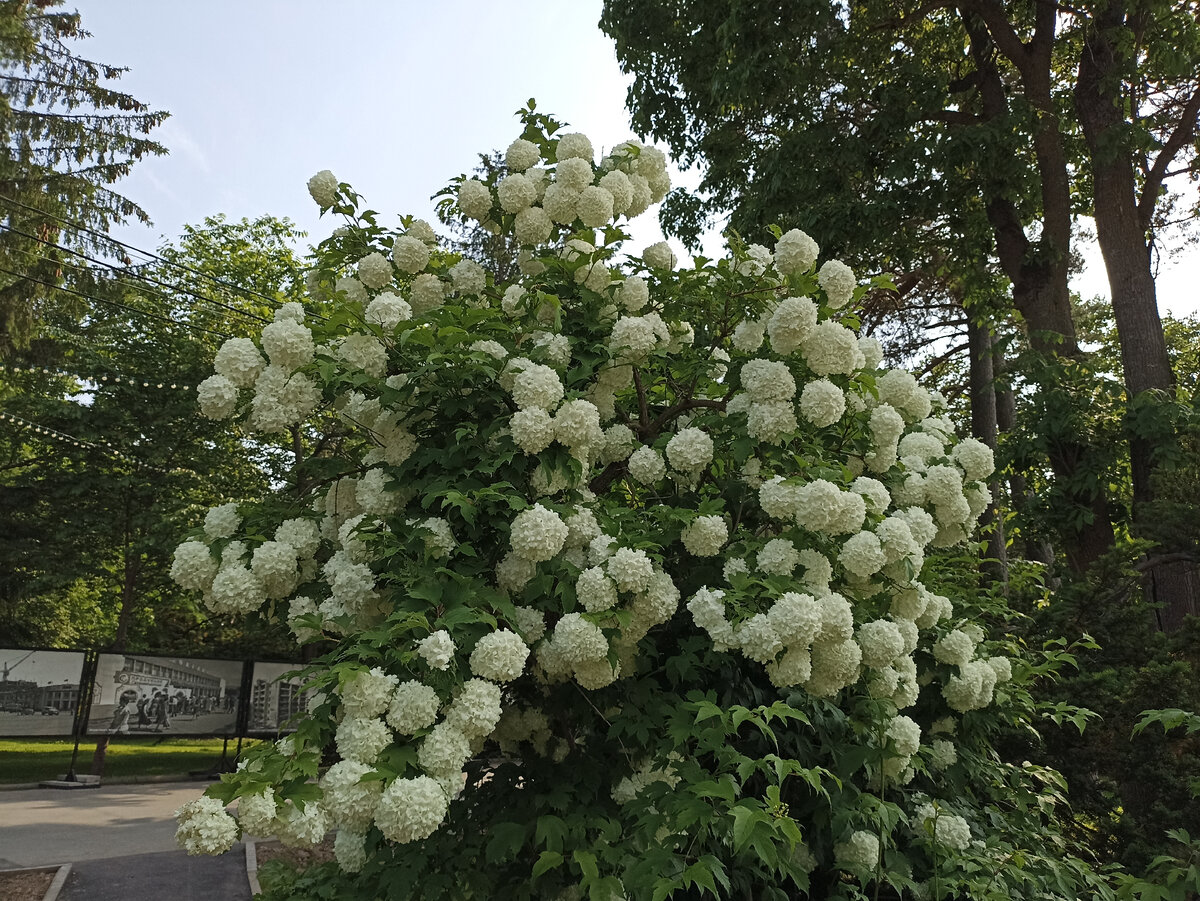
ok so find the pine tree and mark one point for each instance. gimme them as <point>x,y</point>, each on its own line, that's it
<point>65,139</point>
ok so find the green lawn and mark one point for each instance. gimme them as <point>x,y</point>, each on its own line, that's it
<point>32,760</point>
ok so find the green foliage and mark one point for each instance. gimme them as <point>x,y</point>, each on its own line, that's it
<point>90,532</point>
<point>65,137</point>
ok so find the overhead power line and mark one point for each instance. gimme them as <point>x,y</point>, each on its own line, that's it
<point>113,303</point>
<point>146,253</point>
<point>129,271</point>
<point>78,267</point>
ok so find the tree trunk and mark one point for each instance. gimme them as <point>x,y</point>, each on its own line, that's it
<point>1121,230</point>
<point>984,428</point>
<point>1039,275</point>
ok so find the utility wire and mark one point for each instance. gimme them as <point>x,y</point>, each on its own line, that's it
<point>113,303</point>
<point>274,302</point>
<point>87,269</point>
<point>128,270</point>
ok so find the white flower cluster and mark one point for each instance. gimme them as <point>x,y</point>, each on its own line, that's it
<point>204,827</point>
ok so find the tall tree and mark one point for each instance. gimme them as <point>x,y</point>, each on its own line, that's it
<point>65,139</point>
<point>105,458</point>
<point>873,128</point>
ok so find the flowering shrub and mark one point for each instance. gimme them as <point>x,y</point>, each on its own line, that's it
<point>621,570</point>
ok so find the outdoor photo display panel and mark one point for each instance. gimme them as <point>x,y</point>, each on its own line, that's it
<point>136,694</point>
<point>274,700</point>
<point>39,691</point>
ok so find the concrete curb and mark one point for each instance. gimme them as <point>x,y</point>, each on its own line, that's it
<point>121,780</point>
<point>251,866</point>
<point>61,872</point>
<point>60,879</point>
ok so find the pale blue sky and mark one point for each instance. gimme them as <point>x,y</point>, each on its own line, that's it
<point>394,97</point>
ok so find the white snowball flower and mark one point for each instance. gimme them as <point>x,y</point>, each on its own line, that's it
<point>222,521</point>
<point>521,155</point>
<point>193,567</point>
<point>362,739</point>
<point>218,397</point>
<point>837,281</point>
<point>778,557</point>
<point>975,458</point>
<point>633,294</point>
<point>595,206</point>
<point>831,348</point>
<point>859,852</point>
<point>411,809</point>
<point>239,361</point>
<point>499,656</point>
<point>705,536</point>
<point>561,203</point>
<point>955,648</point>
<point>288,344</point>
<point>748,335</point>
<point>574,174</point>
<point>538,534</point>
<point>323,188</point>
<point>822,403</point>
<point>690,449</point>
<point>428,292</point>
<point>862,554</point>
<point>364,353</point>
<point>768,380</point>
<point>630,569</point>
<point>205,827</point>
<point>387,311</point>
<point>574,145</point>
<point>468,278</point>
<point>476,710</point>
<point>796,618</point>
<point>437,649</point>
<point>256,813</point>
<point>646,465</point>
<point>659,256</point>
<point>474,199</point>
<point>533,429</point>
<point>374,270</point>
<point>757,639</point>
<point>516,192</point>
<point>795,252</point>
<point>368,694</point>
<point>410,253</point>
<point>537,386</point>
<point>595,590</point>
<point>881,642</point>
<point>792,322</point>
<point>414,707</point>
<point>533,226</point>
<point>618,185</point>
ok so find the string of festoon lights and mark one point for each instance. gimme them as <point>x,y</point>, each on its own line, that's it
<point>99,379</point>
<point>54,434</point>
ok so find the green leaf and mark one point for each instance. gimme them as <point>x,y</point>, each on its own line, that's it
<point>546,861</point>
<point>587,864</point>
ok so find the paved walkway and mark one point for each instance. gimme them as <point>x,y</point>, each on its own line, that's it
<point>120,840</point>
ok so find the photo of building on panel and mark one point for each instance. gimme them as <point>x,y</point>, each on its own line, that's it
<point>38,691</point>
<point>139,695</point>
<point>274,699</point>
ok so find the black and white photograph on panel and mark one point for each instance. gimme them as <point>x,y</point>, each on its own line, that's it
<point>38,691</point>
<point>136,694</point>
<point>276,697</point>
